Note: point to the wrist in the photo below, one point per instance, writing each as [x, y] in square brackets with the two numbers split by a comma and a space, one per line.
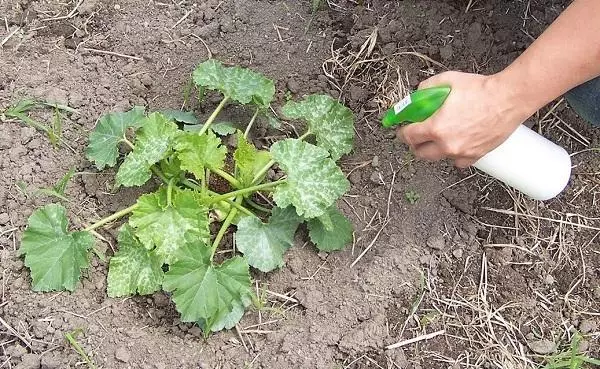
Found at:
[516, 101]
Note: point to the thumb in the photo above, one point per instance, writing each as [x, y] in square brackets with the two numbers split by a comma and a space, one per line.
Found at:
[439, 79]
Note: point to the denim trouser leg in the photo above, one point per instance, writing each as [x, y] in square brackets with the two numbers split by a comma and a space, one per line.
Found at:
[585, 100]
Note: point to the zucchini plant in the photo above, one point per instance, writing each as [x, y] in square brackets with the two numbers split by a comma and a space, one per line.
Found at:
[166, 242]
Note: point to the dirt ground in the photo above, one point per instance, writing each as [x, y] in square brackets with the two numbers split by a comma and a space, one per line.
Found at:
[500, 280]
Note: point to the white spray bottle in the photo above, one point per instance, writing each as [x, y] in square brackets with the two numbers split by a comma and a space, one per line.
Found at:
[525, 161]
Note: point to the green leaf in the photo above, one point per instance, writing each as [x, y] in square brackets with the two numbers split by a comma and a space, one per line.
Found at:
[153, 142]
[249, 160]
[203, 291]
[264, 244]
[166, 228]
[331, 122]
[239, 84]
[54, 255]
[58, 190]
[180, 116]
[331, 231]
[103, 146]
[198, 152]
[171, 166]
[314, 181]
[133, 269]
[223, 128]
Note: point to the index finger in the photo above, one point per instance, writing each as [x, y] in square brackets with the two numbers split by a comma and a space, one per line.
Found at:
[415, 134]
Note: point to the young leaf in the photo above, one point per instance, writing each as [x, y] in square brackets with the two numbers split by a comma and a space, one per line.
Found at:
[330, 232]
[314, 181]
[166, 227]
[54, 255]
[331, 122]
[180, 116]
[203, 291]
[239, 84]
[152, 143]
[103, 145]
[249, 160]
[198, 152]
[264, 244]
[133, 269]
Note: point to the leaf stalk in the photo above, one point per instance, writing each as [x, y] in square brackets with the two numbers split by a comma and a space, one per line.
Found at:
[115, 216]
[244, 191]
[213, 116]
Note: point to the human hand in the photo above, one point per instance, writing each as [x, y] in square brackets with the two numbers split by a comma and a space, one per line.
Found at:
[478, 115]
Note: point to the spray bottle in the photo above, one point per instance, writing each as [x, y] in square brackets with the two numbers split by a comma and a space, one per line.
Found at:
[525, 161]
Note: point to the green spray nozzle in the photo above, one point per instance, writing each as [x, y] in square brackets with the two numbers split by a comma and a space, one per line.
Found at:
[417, 106]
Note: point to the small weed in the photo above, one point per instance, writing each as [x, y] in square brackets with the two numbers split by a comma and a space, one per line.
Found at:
[412, 196]
[572, 358]
[70, 337]
[20, 111]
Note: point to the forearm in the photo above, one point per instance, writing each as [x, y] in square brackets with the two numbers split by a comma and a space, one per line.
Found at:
[566, 55]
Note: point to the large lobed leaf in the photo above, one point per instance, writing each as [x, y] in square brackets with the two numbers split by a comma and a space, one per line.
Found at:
[205, 292]
[249, 160]
[264, 244]
[133, 269]
[198, 152]
[314, 181]
[54, 255]
[331, 231]
[166, 228]
[240, 84]
[153, 142]
[331, 122]
[103, 146]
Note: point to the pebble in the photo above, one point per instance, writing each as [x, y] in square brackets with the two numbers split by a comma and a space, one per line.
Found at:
[196, 331]
[436, 242]
[587, 326]
[375, 161]
[355, 177]
[122, 355]
[597, 293]
[160, 299]
[549, 279]
[293, 86]
[4, 218]
[542, 347]
[458, 253]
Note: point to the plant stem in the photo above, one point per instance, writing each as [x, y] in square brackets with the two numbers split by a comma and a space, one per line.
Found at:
[194, 186]
[159, 174]
[115, 216]
[251, 123]
[228, 177]
[213, 116]
[224, 226]
[170, 192]
[306, 134]
[264, 170]
[244, 191]
[257, 206]
[128, 143]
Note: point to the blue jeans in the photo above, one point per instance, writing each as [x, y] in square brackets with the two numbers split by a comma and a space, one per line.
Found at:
[585, 100]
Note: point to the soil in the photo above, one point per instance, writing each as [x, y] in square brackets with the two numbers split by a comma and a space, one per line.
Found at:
[423, 270]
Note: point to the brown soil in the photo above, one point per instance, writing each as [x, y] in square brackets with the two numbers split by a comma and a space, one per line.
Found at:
[336, 316]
